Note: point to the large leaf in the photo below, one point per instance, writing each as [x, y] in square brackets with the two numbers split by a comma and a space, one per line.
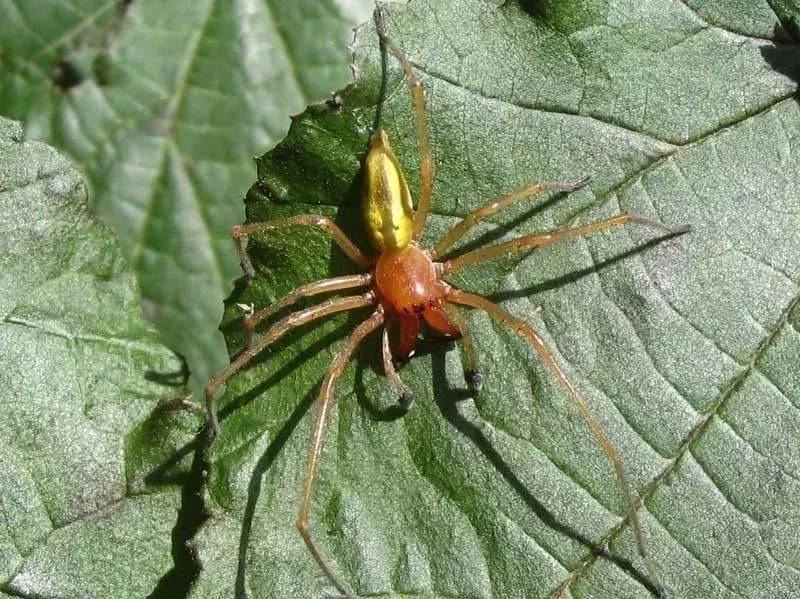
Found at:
[162, 105]
[686, 349]
[85, 504]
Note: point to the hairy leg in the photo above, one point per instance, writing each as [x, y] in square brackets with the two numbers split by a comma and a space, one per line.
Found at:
[324, 405]
[275, 332]
[531, 241]
[526, 331]
[426, 165]
[240, 234]
[406, 397]
[495, 206]
[473, 377]
[251, 321]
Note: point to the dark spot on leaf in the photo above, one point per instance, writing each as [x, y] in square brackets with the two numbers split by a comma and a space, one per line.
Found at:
[101, 69]
[535, 8]
[335, 101]
[66, 75]
[785, 57]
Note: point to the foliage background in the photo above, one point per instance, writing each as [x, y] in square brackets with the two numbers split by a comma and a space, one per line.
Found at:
[686, 349]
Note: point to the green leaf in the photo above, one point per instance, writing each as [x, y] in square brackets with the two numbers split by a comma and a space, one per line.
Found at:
[162, 105]
[686, 349]
[83, 513]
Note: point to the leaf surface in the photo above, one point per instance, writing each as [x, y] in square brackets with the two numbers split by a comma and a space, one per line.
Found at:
[82, 371]
[162, 106]
[686, 349]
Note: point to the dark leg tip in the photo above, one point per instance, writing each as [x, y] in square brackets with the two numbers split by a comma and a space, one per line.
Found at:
[681, 229]
[381, 15]
[474, 380]
[581, 182]
[406, 400]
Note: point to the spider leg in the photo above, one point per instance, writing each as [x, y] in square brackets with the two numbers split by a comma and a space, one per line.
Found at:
[240, 234]
[426, 165]
[473, 377]
[493, 206]
[251, 321]
[404, 393]
[531, 241]
[315, 453]
[526, 331]
[275, 332]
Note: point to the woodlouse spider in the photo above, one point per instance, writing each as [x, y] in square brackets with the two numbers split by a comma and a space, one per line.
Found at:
[404, 286]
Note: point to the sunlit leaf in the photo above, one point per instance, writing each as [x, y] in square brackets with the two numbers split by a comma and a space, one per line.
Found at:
[685, 349]
[163, 105]
[83, 508]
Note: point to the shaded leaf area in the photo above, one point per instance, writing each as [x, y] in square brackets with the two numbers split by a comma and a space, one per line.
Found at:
[163, 105]
[685, 349]
[82, 372]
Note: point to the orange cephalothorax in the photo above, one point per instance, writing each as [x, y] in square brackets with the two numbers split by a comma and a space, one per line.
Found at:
[407, 281]
[408, 287]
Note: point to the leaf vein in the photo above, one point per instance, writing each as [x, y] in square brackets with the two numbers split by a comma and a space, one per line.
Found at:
[286, 49]
[76, 30]
[175, 101]
[730, 502]
[531, 105]
[697, 430]
[728, 29]
[725, 394]
[126, 344]
[700, 561]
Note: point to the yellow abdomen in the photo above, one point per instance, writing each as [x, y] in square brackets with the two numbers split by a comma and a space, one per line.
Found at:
[386, 200]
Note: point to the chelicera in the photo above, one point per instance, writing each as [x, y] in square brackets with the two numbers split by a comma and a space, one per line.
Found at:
[403, 286]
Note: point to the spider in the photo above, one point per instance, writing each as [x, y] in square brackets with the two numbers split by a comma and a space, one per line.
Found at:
[404, 287]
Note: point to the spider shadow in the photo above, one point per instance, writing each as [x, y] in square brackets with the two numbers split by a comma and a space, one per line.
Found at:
[572, 277]
[536, 9]
[376, 412]
[192, 514]
[784, 55]
[498, 232]
[372, 347]
[254, 487]
[175, 378]
[278, 442]
[446, 400]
